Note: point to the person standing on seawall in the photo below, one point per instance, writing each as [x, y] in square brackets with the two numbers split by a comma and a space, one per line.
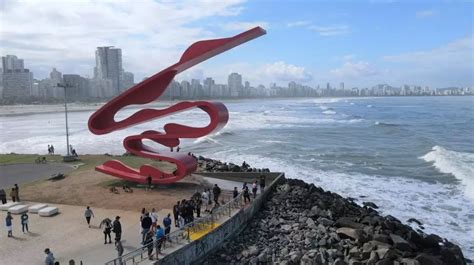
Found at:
[254, 189]
[216, 191]
[262, 183]
[88, 214]
[8, 224]
[24, 222]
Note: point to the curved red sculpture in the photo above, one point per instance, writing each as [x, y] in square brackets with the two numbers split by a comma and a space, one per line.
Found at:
[103, 120]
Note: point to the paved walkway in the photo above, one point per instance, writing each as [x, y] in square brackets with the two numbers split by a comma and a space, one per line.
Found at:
[68, 236]
[22, 173]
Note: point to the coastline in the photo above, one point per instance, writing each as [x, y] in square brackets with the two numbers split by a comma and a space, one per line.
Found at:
[358, 208]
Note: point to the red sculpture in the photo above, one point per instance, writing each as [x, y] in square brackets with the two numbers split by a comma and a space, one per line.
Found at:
[103, 122]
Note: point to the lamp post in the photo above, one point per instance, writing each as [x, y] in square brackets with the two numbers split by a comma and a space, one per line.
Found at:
[67, 158]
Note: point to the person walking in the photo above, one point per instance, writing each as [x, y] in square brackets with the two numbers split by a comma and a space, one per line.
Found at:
[49, 260]
[146, 225]
[262, 183]
[8, 224]
[117, 229]
[88, 214]
[175, 213]
[167, 224]
[52, 149]
[160, 236]
[17, 189]
[254, 189]
[148, 242]
[13, 194]
[49, 149]
[107, 230]
[24, 222]
[154, 219]
[216, 192]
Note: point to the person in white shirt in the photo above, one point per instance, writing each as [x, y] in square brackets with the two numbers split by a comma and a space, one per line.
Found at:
[154, 219]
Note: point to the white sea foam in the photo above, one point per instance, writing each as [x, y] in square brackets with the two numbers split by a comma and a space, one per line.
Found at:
[329, 112]
[460, 164]
[369, 106]
[323, 107]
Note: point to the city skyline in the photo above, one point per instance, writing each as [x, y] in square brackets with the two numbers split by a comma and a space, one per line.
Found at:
[17, 85]
[364, 43]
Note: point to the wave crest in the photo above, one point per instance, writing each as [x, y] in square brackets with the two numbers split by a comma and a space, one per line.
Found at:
[458, 164]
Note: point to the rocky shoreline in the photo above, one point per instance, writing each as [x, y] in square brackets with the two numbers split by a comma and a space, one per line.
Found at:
[301, 223]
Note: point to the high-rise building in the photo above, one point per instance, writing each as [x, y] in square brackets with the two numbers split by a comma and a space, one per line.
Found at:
[207, 86]
[11, 62]
[234, 82]
[341, 86]
[17, 81]
[109, 66]
[128, 80]
[78, 87]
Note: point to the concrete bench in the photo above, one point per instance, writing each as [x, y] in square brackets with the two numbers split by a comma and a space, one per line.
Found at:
[48, 211]
[8, 205]
[18, 209]
[35, 208]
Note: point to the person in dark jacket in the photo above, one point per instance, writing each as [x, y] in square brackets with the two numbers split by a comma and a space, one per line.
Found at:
[167, 224]
[117, 229]
[245, 190]
[216, 191]
[146, 225]
[235, 193]
[148, 242]
[176, 213]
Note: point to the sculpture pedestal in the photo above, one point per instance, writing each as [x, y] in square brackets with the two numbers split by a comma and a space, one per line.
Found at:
[69, 158]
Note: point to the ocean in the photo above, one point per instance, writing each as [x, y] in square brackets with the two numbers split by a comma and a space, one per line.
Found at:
[412, 156]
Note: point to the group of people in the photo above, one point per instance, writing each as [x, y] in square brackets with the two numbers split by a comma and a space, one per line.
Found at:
[14, 194]
[153, 234]
[50, 149]
[246, 190]
[9, 223]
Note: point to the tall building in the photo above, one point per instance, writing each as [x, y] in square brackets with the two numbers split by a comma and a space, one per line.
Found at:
[78, 87]
[16, 80]
[128, 80]
[207, 86]
[108, 62]
[11, 62]
[234, 82]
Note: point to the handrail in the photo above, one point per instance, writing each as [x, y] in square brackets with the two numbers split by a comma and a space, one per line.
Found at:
[178, 236]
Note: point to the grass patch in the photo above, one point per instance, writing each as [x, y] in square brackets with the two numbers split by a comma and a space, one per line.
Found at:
[26, 158]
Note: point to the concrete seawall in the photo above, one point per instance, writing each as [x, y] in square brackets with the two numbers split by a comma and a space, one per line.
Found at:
[199, 249]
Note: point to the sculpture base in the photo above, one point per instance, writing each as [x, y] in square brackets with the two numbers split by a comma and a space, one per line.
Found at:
[69, 158]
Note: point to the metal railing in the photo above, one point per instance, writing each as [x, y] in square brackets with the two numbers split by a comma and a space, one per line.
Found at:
[182, 236]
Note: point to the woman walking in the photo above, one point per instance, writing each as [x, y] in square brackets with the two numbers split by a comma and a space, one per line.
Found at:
[88, 214]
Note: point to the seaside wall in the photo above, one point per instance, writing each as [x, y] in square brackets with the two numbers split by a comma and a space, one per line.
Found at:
[198, 249]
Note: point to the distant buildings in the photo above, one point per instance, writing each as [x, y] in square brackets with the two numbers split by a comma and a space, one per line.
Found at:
[18, 86]
[17, 82]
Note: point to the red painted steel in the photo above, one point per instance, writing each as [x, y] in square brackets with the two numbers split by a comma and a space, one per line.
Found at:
[103, 120]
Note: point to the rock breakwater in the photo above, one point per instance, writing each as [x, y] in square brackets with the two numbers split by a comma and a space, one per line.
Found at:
[302, 224]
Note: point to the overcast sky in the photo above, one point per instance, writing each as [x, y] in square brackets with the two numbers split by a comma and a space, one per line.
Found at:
[312, 42]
